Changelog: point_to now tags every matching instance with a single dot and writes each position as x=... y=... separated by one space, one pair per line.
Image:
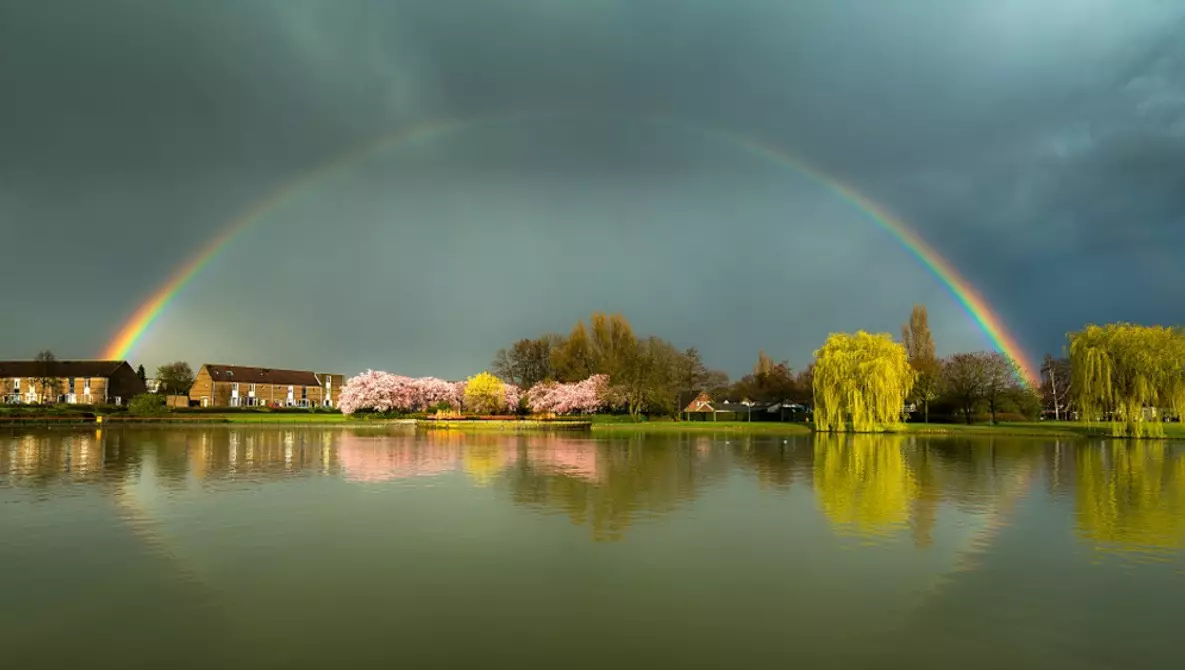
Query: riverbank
x=705 y=427
x=597 y=425
x=1061 y=429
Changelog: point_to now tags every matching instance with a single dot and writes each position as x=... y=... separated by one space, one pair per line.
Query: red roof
x=239 y=373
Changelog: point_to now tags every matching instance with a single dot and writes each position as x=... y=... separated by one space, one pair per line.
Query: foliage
x=485 y=394
x=141 y=374
x=860 y=382
x=647 y=373
x=584 y=397
x=175 y=378
x=148 y=404
x=919 y=345
x=1128 y=374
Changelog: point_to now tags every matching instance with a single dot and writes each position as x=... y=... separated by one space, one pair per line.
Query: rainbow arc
x=965 y=294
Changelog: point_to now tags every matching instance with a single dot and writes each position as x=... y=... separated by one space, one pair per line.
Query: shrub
x=148 y=404
x=485 y=394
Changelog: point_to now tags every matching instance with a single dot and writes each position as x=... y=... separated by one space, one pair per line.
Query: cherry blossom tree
x=514 y=397
x=583 y=397
x=385 y=392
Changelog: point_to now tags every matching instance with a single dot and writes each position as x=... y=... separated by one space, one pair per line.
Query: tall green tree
x=919 y=345
x=141 y=374
x=175 y=378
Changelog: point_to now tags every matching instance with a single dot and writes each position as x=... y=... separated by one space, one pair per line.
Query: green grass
x=665 y=427
x=1031 y=428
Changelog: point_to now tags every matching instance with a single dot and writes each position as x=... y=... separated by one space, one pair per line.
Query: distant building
x=241 y=386
x=153 y=385
x=72 y=382
x=701 y=407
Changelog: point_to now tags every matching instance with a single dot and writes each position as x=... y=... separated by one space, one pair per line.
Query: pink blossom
x=386 y=392
x=514 y=396
x=582 y=397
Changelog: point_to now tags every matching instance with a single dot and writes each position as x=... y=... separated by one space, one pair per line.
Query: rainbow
x=972 y=302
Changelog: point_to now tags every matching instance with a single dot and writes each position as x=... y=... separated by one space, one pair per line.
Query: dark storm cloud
x=1040 y=146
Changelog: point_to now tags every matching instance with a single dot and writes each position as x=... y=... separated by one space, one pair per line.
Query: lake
x=341 y=548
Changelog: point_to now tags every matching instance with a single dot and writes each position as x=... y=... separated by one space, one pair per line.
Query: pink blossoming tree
x=584 y=397
x=385 y=392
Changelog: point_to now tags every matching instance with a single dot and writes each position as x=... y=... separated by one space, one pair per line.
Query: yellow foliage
x=1125 y=369
x=485 y=394
x=861 y=383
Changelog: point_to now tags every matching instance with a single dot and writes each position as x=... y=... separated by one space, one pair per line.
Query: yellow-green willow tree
x=1133 y=372
x=861 y=383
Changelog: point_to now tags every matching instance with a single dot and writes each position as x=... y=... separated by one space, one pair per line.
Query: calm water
x=309 y=548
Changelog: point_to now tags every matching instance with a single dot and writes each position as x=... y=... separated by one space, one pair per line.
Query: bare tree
x=1001 y=380
x=1055 y=385
x=964 y=378
x=46 y=382
x=919 y=344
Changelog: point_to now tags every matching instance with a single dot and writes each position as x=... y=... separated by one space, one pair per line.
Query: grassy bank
x=507 y=425
x=1062 y=429
x=666 y=427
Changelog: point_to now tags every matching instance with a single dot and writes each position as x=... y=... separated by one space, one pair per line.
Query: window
x=251 y=389
x=304 y=393
x=234 y=387
x=86 y=384
x=16 y=385
x=70 y=386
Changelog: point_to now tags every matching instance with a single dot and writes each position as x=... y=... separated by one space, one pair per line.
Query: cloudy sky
x=1040 y=146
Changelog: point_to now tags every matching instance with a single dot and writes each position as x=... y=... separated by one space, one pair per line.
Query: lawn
x=1032 y=428
x=662 y=427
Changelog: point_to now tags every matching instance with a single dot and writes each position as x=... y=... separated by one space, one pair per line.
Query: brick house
x=240 y=386
x=73 y=382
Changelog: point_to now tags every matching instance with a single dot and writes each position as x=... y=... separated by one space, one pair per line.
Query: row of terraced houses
x=116 y=383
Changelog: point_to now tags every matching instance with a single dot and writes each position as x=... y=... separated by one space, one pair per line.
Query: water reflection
x=609 y=485
x=1131 y=497
x=1126 y=497
x=863 y=483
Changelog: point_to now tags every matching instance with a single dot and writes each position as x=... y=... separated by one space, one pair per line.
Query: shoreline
x=1050 y=429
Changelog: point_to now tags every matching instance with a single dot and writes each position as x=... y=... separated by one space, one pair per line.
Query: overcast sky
x=1040 y=146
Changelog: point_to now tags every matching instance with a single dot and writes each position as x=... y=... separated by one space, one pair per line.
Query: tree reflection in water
x=863 y=483
x=1131 y=496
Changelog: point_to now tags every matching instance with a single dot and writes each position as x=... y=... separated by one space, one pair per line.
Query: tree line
x=651 y=374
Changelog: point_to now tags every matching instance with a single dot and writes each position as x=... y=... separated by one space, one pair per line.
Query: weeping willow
x=861 y=382
x=1129 y=375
